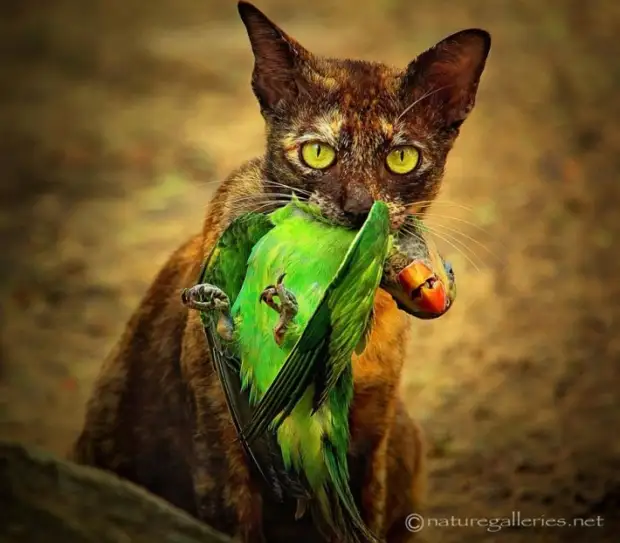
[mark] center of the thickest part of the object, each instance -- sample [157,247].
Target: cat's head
[350,132]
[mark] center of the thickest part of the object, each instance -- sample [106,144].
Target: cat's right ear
[276,78]
[445,78]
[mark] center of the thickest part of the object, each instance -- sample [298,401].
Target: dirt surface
[117,120]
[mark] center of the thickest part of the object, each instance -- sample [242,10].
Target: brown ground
[116,121]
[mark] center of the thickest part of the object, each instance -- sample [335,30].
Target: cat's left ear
[446,76]
[276,79]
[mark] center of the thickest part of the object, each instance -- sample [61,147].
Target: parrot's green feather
[310,252]
[318,372]
[351,292]
[226,268]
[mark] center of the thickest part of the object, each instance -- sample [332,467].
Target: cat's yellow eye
[403,159]
[318,155]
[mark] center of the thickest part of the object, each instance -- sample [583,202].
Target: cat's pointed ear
[448,74]
[277,58]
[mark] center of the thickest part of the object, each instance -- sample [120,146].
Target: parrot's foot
[287,308]
[225,327]
[205,297]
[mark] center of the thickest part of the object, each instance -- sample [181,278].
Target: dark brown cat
[158,416]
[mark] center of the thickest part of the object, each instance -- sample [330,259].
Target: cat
[157,415]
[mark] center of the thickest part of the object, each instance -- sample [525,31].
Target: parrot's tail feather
[332,520]
[344,509]
[327,516]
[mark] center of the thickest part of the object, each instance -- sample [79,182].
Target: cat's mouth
[338,217]
[331,211]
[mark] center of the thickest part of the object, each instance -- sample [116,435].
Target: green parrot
[301,346]
[287,373]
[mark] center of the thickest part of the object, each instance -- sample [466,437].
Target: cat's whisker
[265,195]
[458,246]
[269,182]
[434,215]
[264,208]
[456,231]
[416,102]
[256,197]
[259,199]
[441,202]
[250,202]
[273,183]
[239,199]
[453,233]
[264,201]
[406,230]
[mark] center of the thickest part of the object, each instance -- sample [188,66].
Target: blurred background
[118,118]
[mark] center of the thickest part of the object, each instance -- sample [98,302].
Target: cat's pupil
[402,156]
[318,151]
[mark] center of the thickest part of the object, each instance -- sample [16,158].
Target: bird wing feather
[226,268]
[327,343]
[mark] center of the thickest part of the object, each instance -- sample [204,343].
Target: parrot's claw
[302,505]
[225,327]
[287,308]
[205,297]
[267,296]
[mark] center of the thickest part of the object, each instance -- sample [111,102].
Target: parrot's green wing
[226,268]
[327,343]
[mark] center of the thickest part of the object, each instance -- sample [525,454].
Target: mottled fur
[158,415]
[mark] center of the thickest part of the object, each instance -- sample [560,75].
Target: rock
[48,500]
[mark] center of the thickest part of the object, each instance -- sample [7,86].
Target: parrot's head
[421,282]
[427,294]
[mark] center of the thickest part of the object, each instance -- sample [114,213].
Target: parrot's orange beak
[424,289]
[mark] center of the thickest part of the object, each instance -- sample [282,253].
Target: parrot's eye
[448,267]
[317,155]
[402,159]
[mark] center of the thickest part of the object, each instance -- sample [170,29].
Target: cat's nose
[357,202]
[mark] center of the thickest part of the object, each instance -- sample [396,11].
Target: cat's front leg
[374,493]
[394,486]
[225,494]
[406,478]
